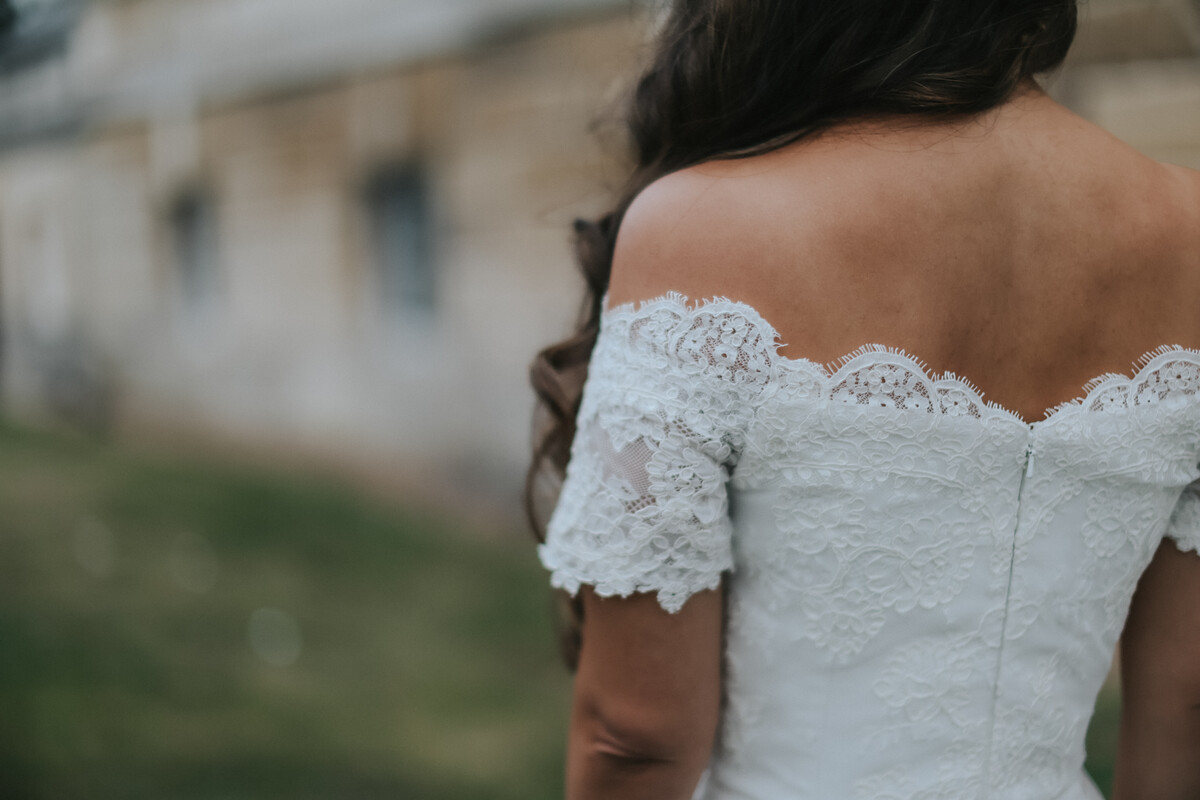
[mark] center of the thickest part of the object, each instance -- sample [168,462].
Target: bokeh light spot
[275,636]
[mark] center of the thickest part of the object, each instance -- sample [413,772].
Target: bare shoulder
[1170,211]
[1141,205]
[1186,217]
[693,231]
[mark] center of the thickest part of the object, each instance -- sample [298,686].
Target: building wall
[292,349]
[1135,71]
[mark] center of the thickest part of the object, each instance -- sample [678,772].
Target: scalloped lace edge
[670,598]
[1189,544]
[831,372]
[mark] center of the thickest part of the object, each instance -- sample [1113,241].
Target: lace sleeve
[1184,527]
[669,394]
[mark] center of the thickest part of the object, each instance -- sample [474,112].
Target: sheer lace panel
[1184,527]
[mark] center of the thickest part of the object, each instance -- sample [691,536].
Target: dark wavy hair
[735,78]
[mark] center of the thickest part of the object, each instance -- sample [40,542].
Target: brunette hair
[734,78]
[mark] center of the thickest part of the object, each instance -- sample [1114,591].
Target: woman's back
[926,588]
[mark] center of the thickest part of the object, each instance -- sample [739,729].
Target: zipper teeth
[1012,568]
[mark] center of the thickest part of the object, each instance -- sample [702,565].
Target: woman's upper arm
[1159,753]
[648,686]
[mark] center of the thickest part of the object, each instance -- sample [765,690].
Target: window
[401,230]
[193,223]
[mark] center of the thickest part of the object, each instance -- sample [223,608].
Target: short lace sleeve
[1184,527]
[670,393]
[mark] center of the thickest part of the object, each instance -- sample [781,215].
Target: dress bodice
[925,591]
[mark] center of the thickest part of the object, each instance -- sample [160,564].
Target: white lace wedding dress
[925,590]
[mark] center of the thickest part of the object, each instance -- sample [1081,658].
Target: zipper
[1030,452]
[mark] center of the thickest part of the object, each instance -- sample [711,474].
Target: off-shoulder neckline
[1147,363]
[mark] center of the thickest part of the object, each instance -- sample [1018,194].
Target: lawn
[174,629]
[171,628]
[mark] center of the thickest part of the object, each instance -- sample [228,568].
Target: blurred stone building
[336,229]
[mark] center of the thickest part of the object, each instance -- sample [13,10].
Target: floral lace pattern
[913,566]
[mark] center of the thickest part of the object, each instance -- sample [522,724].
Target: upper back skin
[1026,250]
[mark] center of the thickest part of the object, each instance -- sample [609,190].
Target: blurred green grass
[127,584]
[1102,737]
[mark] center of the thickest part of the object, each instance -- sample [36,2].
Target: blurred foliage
[127,583]
[425,666]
